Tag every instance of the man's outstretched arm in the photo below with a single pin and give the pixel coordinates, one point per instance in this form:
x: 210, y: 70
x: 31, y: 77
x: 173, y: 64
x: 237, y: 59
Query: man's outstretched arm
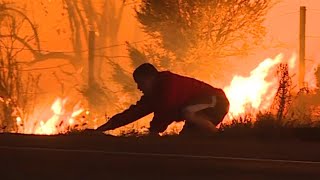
x: 135, y: 112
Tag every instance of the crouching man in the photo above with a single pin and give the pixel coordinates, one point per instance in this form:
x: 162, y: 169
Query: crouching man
x: 172, y: 97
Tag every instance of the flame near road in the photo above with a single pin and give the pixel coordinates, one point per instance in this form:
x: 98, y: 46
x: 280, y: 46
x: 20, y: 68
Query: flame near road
x: 60, y: 122
x: 253, y: 93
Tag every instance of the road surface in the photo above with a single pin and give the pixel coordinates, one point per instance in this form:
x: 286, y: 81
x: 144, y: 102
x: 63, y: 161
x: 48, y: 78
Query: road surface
x: 105, y: 157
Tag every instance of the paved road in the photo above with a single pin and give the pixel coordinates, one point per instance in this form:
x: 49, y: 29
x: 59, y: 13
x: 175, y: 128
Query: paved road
x: 97, y: 157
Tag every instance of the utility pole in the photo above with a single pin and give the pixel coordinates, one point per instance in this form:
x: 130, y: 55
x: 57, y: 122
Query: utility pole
x: 302, y: 48
x: 90, y: 73
x: 91, y: 59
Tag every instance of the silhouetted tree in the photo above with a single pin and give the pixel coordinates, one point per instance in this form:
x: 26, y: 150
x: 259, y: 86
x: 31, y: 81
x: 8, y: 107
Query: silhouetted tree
x: 84, y: 15
x: 18, y: 89
x: 193, y: 29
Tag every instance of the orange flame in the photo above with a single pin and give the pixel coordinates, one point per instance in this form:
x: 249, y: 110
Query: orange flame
x: 256, y: 92
x: 253, y: 91
x: 60, y: 122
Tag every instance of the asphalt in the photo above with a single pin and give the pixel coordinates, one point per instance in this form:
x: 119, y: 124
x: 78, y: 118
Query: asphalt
x: 93, y: 156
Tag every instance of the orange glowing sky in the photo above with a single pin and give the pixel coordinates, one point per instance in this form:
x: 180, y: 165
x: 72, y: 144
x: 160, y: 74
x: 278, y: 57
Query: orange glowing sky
x: 283, y: 24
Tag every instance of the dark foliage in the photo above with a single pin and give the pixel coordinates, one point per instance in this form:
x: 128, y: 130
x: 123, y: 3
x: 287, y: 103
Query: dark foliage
x: 223, y: 27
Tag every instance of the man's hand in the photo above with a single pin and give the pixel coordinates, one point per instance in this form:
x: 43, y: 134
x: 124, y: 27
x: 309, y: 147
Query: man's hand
x: 92, y: 132
x: 104, y: 127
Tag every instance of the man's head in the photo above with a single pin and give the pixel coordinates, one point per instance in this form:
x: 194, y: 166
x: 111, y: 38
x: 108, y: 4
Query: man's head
x: 145, y: 76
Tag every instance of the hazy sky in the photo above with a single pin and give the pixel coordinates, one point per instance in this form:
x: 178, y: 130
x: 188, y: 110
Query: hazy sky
x: 283, y: 24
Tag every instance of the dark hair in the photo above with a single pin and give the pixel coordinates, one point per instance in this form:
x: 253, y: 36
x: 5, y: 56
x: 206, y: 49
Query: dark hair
x: 145, y: 70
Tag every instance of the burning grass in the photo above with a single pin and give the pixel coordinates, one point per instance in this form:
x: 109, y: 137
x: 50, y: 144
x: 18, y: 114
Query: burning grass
x: 259, y: 103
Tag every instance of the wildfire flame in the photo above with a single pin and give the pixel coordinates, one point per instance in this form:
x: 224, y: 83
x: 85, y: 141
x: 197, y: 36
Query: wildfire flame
x: 254, y: 92
x: 60, y: 122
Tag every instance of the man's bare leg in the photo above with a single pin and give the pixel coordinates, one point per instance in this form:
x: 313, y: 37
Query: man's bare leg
x: 200, y: 121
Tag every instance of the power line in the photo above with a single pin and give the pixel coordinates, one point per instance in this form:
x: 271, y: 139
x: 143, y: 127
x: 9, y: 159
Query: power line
x: 283, y: 14
x: 45, y: 68
x: 132, y: 3
x: 81, y: 51
x: 105, y: 56
x: 293, y: 12
x: 37, y: 69
x: 318, y: 10
x: 66, y: 64
x: 313, y: 36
